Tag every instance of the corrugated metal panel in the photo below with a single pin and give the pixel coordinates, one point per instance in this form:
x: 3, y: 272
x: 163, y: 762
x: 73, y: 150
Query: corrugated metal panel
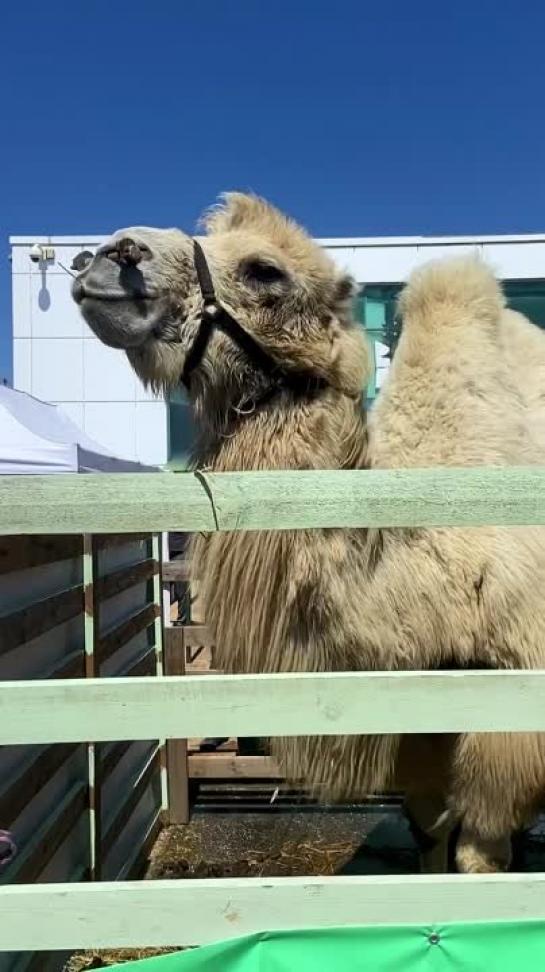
x: 130, y: 774
x: 44, y: 789
x: 45, y: 800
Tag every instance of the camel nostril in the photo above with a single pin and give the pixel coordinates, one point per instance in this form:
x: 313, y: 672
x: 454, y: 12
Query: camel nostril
x: 129, y: 252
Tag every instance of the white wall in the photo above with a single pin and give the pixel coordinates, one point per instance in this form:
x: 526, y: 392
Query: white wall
x: 391, y: 260
x: 58, y: 359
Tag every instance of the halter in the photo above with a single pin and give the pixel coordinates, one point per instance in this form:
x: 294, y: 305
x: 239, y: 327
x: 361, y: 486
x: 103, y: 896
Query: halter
x: 215, y: 317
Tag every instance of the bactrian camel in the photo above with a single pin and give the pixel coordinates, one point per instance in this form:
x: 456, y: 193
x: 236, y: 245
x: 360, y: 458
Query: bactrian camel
x: 257, y: 321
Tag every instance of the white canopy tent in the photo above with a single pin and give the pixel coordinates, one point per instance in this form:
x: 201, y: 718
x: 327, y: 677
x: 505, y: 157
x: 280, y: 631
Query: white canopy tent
x: 38, y: 438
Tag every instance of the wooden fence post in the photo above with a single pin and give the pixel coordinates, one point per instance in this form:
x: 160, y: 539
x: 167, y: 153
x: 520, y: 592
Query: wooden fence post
x: 176, y: 749
x: 177, y: 764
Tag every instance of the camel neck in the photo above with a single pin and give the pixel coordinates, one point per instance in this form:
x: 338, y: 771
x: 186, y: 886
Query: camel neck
x: 325, y: 431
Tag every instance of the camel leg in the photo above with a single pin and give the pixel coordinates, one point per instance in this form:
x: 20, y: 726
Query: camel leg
x: 423, y: 773
x: 431, y: 824
x: 480, y: 855
x: 497, y: 788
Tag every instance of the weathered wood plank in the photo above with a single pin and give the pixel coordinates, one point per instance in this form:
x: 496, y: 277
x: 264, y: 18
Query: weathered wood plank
x: 113, y: 640
x: 30, y: 622
x: 176, y: 571
x: 174, y: 651
x: 174, y: 644
x: 272, y: 500
x: 193, y: 640
x: 179, y: 912
x: 103, y: 503
x: 112, y: 709
x: 198, y: 636
x: 226, y: 766
x: 108, y: 540
x: 203, y: 671
x: 122, y: 580
x: 18, y: 552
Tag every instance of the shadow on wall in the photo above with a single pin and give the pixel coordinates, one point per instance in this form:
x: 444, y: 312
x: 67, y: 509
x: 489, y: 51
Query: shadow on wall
x: 44, y: 297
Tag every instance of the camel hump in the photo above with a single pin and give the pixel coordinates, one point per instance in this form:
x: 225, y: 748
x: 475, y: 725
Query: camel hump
x: 454, y: 288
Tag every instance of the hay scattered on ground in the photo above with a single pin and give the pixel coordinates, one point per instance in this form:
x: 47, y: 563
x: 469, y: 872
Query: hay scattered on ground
x: 181, y: 855
x: 256, y: 845
x: 102, y: 960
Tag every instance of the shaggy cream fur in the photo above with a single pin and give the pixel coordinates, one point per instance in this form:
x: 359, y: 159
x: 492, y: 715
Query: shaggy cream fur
x: 458, y: 394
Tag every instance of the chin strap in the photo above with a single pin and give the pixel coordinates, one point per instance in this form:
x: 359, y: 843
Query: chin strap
x: 215, y: 317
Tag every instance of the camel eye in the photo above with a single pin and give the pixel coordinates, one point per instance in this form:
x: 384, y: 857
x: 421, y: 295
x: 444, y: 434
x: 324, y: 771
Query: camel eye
x: 261, y: 272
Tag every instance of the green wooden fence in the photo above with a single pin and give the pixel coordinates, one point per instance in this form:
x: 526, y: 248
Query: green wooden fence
x: 60, y: 917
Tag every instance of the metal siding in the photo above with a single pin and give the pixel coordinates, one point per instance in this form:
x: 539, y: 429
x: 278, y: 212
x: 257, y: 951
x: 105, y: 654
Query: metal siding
x: 54, y: 313
x: 108, y: 376
x: 40, y: 656
x: 378, y: 264
x: 20, y: 589
x: 516, y: 260
x: 22, y: 362
x: 118, y: 787
x: 426, y: 253
x: 113, y: 426
x: 20, y: 302
x: 71, y: 859
x: 57, y: 369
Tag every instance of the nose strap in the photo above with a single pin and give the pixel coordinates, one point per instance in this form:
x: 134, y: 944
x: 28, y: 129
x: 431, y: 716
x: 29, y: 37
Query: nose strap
x: 198, y: 348
x: 203, y: 275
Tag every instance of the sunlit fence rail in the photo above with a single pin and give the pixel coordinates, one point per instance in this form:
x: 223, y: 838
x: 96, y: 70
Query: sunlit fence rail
x: 60, y: 917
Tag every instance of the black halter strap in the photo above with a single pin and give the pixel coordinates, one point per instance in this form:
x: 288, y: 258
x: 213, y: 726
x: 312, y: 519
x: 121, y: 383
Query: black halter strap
x: 214, y: 316
x: 203, y: 274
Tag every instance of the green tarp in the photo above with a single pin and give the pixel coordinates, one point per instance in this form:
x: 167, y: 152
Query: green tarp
x: 490, y: 947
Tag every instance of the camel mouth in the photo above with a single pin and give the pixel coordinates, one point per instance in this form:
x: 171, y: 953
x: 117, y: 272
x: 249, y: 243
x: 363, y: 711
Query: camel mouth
x: 119, y: 297
x: 81, y: 292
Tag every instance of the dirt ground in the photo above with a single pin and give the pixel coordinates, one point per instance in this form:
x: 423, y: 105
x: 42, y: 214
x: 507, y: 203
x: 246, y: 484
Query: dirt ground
x: 265, y: 844
x: 370, y: 840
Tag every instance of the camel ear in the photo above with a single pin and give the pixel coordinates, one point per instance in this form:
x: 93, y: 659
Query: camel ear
x: 345, y: 292
x: 346, y: 289
x: 344, y: 296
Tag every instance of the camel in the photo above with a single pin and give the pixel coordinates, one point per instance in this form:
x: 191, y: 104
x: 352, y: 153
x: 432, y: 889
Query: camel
x: 257, y: 321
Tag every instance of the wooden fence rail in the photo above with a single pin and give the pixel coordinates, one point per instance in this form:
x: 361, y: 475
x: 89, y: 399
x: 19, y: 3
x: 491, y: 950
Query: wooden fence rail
x: 272, y: 500
x: 271, y: 705
x: 116, y: 710
x: 192, y: 912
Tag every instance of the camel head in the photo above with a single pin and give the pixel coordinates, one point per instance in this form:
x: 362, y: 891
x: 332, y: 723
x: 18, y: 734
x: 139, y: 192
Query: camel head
x: 290, y: 308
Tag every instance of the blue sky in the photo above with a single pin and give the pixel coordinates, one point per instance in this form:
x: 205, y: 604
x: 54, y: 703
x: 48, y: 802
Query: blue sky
x: 357, y: 118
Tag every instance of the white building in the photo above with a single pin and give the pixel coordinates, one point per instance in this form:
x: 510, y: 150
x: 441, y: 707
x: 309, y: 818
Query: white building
x: 56, y: 358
